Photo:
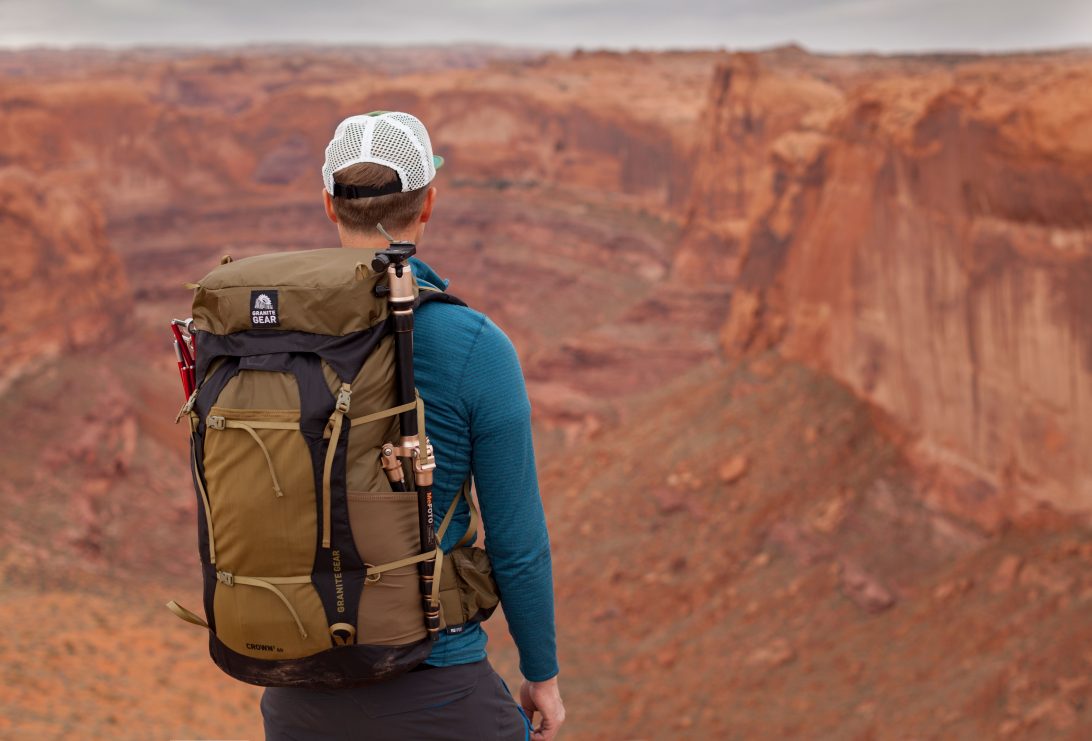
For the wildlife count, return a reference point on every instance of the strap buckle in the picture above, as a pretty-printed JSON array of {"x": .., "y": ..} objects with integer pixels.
[
  {"x": 187, "y": 407},
  {"x": 225, "y": 577},
  {"x": 216, "y": 422},
  {"x": 426, "y": 462},
  {"x": 343, "y": 398}
]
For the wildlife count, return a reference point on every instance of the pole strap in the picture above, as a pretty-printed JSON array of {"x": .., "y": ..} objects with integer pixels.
[
  {"x": 438, "y": 569},
  {"x": 408, "y": 561},
  {"x": 422, "y": 438}
]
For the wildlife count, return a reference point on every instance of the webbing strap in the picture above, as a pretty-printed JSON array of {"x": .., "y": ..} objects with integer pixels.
[
  {"x": 262, "y": 424},
  {"x": 475, "y": 517},
  {"x": 342, "y": 408},
  {"x": 265, "y": 451},
  {"x": 434, "y": 598},
  {"x": 385, "y": 413},
  {"x": 422, "y": 439},
  {"x": 408, "y": 561},
  {"x": 269, "y": 582},
  {"x": 448, "y": 517},
  {"x": 186, "y": 615},
  {"x": 204, "y": 500},
  {"x": 304, "y": 579},
  {"x": 437, "y": 554}
]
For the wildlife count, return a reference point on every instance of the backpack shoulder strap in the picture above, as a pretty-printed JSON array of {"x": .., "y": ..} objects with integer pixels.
[{"x": 428, "y": 294}]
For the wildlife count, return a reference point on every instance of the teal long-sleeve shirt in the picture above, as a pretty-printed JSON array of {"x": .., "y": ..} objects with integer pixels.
[{"x": 478, "y": 418}]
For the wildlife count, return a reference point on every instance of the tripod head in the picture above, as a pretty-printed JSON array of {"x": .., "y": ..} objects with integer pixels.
[{"x": 395, "y": 254}]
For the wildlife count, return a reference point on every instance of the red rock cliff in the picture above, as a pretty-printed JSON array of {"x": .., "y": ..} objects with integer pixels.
[
  {"x": 61, "y": 286},
  {"x": 926, "y": 237}
]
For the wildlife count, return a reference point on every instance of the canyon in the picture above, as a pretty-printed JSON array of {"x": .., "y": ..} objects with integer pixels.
[{"x": 817, "y": 322}]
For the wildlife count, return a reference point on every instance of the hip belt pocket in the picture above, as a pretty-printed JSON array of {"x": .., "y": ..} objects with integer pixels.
[{"x": 468, "y": 592}]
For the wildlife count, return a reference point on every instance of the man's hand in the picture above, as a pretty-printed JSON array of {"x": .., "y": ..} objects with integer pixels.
[{"x": 545, "y": 697}]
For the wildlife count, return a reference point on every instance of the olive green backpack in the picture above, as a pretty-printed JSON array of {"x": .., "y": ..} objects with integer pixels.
[{"x": 309, "y": 557}]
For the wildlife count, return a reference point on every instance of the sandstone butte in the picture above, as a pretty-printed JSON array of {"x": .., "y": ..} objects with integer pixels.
[
  {"x": 863, "y": 279},
  {"x": 922, "y": 232}
]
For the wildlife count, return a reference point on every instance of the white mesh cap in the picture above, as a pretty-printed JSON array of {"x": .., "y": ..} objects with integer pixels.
[{"x": 397, "y": 140}]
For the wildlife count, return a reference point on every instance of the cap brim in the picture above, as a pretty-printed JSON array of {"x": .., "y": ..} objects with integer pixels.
[{"x": 437, "y": 161}]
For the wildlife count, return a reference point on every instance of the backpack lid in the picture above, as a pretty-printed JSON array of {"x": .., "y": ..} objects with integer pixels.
[{"x": 326, "y": 291}]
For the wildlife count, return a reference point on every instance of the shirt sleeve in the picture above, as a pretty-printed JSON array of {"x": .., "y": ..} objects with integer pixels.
[{"x": 502, "y": 460}]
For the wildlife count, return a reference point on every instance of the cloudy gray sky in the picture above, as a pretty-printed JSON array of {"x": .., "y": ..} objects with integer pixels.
[{"x": 830, "y": 25}]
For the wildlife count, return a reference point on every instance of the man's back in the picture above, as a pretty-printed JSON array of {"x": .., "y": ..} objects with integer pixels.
[
  {"x": 479, "y": 420},
  {"x": 378, "y": 186}
]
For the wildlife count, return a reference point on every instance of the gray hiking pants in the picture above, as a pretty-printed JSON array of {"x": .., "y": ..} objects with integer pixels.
[{"x": 469, "y": 702}]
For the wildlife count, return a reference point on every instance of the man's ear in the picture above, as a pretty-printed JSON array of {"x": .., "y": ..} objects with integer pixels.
[
  {"x": 430, "y": 201},
  {"x": 328, "y": 202}
]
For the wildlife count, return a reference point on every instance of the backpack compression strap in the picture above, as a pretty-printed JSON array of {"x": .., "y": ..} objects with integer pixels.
[{"x": 372, "y": 571}]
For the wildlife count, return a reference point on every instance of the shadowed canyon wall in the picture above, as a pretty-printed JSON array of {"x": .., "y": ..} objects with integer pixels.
[{"x": 924, "y": 233}]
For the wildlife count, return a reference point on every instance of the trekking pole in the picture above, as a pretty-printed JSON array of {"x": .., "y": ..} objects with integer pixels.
[
  {"x": 401, "y": 285},
  {"x": 186, "y": 366}
]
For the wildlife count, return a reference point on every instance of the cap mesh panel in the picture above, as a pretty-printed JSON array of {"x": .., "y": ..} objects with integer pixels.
[{"x": 398, "y": 140}]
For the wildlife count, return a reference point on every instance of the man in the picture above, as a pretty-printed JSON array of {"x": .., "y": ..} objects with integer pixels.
[{"x": 378, "y": 170}]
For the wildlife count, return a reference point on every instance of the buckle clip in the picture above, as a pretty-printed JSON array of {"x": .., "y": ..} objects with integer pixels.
[
  {"x": 343, "y": 398},
  {"x": 427, "y": 462},
  {"x": 187, "y": 407},
  {"x": 216, "y": 422},
  {"x": 225, "y": 577}
]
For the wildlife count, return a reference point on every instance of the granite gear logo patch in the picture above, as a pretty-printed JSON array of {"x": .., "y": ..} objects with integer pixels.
[{"x": 263, "y": 309}]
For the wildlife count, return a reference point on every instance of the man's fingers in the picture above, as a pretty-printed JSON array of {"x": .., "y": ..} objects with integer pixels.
[
  {"x": 526, "y": 702},
  {"x": 543, "y": 734},
  {"x": 548, "y": 728}
]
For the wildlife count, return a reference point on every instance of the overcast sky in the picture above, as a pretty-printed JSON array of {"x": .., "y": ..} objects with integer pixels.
[{"x": 832, "y": 25}]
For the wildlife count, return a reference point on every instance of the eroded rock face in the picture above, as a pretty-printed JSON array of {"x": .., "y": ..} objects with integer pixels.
[
  {"x": 61, "y": 286},
  {"x": 172, "y": 154},
  {"x": 918, "y": 227},
  {"x": 927, "y": 239}
]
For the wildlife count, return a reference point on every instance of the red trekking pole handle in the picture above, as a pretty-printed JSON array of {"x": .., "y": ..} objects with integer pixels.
[{"x": 186, "y": 366}]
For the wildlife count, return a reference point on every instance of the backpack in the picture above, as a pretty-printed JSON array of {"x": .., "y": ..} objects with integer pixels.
[{"x": 311, "y": 559}]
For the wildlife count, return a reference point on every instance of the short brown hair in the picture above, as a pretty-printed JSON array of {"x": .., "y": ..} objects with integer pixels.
[{"x": 395, "y": 211}]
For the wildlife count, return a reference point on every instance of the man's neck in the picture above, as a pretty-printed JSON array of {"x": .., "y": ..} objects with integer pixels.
[{"x": 363, "y": 240}]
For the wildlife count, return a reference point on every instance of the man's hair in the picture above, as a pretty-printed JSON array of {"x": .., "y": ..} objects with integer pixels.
[{"x": 395, "y": 211}]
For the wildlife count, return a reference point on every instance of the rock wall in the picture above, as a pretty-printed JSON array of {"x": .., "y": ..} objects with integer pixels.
[
  {"x": 61, "y": 286},
  {"x": 191, "y": 151},
  {"x": 926, "y": 237}
]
